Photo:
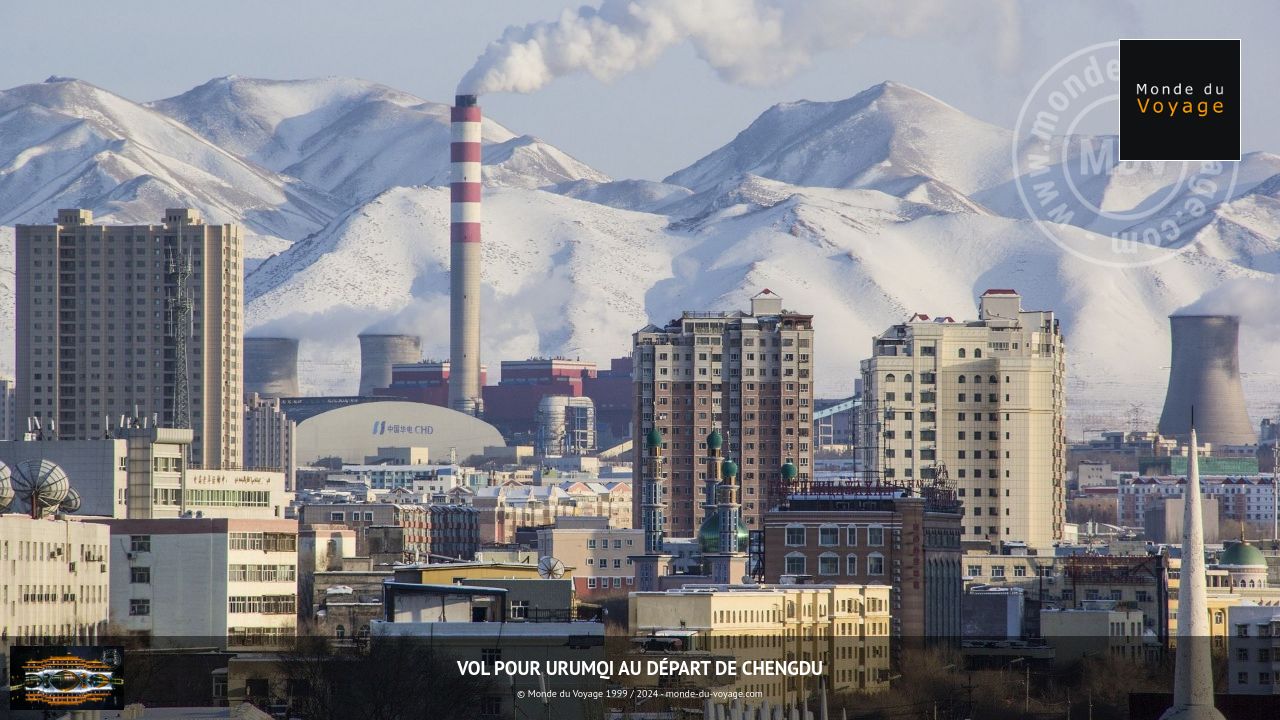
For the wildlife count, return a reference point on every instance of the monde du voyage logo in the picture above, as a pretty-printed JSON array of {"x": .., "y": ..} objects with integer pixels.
[
  {"x": 382, "y": 427},
  {"x": 1180, "y": 100}
]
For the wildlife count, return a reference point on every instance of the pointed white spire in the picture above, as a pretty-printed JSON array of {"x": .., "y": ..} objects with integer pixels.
[{"x": 1193, "y": 672}]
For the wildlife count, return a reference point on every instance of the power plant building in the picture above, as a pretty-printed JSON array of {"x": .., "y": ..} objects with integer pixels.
[
  {"x": 464, "y": 256},
  {"x": 1204, "y": 381},
  {"x": 747, "y": 374},
  {"x": 271, "y": 366},
  {"x": 354, "y": 432},
  {"x": 984, "y": 400},
  {"x": 379, "y": 353},
  {"x": 98, "y": 314}
]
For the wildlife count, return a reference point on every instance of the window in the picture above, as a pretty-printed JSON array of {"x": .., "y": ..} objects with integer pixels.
[
  {"x": 337, "y": 517},
  {"x": 853, "y": 536},
  {"x": 489, "y": 656},
  {"x": 851, "y": 565},
  {"x": 875, "y": 536},
  {"x": 975, "y": 571},
  {"x": 875, "y": 564},
  {"x": 795, "y": 536},
  {"x": 140, "y": 606},
  {"x": 829, "y": 564},
  {"x": 591, "y": 543},
  {"x": 139, "y": 574},
  {"x": 139, "y": 543},
  {"x": 794, "y": 564},
  {"x": 591, "y": 583},
  {"x": 997, "y": 571},
  {"x": 828, "y": 535},
  {"x": 519, "y": 610},
  {"x": 1019, "y": 571},
  {"x": 1242, "y": 631}
]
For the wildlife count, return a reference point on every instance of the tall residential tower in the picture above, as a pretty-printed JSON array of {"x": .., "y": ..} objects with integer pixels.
[
  {"x": 983, "y": 399},
  {"x": 748, "y": 375},
  {"x": 97, "y": 309}
]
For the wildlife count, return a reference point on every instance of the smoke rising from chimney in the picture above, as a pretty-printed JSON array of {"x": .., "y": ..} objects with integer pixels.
[
  {"x": 747, "y": 42},
  {"x": 1254, "y": 300}
]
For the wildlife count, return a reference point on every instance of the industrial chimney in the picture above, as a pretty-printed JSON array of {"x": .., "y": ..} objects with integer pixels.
[
  {"x": 1205, "y": 375},
  {"x": 379, "y": 352},
  {"x": 464, "y": 258},
  {"x": 271, "y": 366}
]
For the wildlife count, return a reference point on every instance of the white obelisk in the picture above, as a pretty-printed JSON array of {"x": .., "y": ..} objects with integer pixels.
[{"x": 1193, "y": 672}]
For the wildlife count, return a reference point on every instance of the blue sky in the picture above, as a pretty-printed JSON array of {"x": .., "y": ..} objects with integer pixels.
[{"x": 645, "y": 124}]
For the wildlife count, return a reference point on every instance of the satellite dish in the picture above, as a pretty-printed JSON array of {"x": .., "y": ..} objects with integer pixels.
[
  {"x": 550, "y": 568},
  {"x": 40, "y": 486},
  {"x": 70, "y": 503},
  {"x": 6, "y": 488}
]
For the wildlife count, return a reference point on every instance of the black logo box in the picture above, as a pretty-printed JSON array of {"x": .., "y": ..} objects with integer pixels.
[{"x": 1183, "y": 65}]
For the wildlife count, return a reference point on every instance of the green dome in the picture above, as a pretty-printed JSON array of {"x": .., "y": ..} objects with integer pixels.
[
  {"x": 789, "y": 470},
  {"x": 709, "y": 535},
  {"x": 728, "y": 469},
  {"x": 715, "y": 440},
  {"x": 655, "y": 438},
  {"x": 1242, "y": 554}
]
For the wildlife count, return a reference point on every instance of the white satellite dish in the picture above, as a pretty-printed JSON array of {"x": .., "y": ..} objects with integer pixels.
[{"x": 550, "y": 568}]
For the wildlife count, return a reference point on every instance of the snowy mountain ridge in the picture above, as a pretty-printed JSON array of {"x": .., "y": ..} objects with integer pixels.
[{"x": 861, "y": 211}]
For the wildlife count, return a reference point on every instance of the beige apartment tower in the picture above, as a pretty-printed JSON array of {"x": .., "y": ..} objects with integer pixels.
[
  {"x": 983, "y": 401},
  {"x": 100, "y": 321},
  {"x": 748, "y": 375}
]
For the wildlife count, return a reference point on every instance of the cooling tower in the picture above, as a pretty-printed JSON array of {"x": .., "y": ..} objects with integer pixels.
[
  {"x": 464, "y": 257},
  {"x": 271, "y": 366},
  {"x": 1205, "y": 375},
  {"x": 379, "y": 352}
]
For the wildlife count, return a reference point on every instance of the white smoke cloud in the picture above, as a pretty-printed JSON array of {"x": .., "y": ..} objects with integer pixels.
[
  {"x": 1255, "y": 300},
  {"x": 749, "y": 42}
]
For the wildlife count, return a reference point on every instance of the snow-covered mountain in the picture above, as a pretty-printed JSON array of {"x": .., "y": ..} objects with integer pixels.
[
  {"x": 861, "y": 211},
  {"x": 356, "y": 138},
  {"x": 66, "y": 143}
]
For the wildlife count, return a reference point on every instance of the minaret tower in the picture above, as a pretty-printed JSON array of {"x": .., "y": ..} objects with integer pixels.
[
  {"x": 655, "y": 561},
  {"x": 1193, "y": 670}
]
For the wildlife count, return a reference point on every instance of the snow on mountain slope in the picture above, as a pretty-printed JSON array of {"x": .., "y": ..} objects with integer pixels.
[
  {"x": 572, "y": 277},
  {"x": 561, "y": 276},
  {"x": 356, "y": 138},
  {"x": 66, "y": 143},
  {"x": 881, "y": 136},
  {"x": 642, "y": 195}
]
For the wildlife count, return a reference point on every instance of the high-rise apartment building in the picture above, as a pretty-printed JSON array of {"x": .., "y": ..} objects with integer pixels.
[
  {"x": 983, "y": 400},
  {"x": 268, "y": 437},
  {"x": 8, "y": 409},
  {"x": 747, "y": 374},
  {"x": 98, "y": 327}
]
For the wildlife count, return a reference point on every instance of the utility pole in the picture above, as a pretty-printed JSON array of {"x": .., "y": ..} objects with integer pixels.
[{"x": 1026, "y": 700}]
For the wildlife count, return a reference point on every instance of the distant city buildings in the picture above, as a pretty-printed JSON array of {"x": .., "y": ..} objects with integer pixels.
[
  {"x": 984, "y": 399},
  {"x": 748, "y": 375},
  {"x": 395, "y": 532},
  {"x": 268, "y": 437},
  {"x": 97, "y": 332},
  {"x": 506, "y": 508}
]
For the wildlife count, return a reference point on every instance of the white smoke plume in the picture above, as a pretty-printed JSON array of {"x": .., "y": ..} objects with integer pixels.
[
  {"x": 1255, "y": 300},
  {"x": 749, "y": 42}
]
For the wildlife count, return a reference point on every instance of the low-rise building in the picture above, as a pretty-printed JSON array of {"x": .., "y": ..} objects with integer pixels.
[
  {"x": 233, "y": 582},
  {"x": 142, "y": 473},
  {"x": 875, "y": 536},
  {"x": 1099, "y": 629},
  {"x": 1253, "y": 660},
  {"x": 846, "y": 627},
  {"x": 402, "y": 532},
  {"x": 54, "y": 580},
  {"x": 602, "y": 558}
]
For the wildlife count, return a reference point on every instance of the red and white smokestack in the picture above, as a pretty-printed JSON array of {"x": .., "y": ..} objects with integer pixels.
[{"x": 464, "y": 258}]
